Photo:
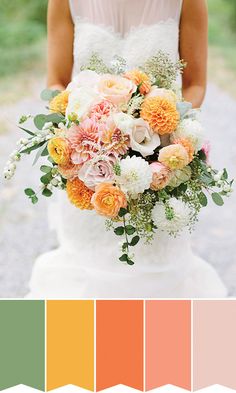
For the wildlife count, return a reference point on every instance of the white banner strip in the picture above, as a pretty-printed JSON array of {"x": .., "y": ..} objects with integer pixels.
[{"x": 121, "y": 389}]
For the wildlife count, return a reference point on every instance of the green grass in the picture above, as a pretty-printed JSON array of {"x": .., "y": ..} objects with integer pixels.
[
  {"x": 23, "y": 37},
  {"x": 222, "y": 30},
  {"x": 22, "y": 32}
]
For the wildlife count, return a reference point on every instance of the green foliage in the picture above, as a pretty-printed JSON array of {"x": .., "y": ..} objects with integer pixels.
[{"x": 22, "y": 28}]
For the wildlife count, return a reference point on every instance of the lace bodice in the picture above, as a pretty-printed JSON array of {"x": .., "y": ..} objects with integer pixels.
[{"x": 133, "y": 29}]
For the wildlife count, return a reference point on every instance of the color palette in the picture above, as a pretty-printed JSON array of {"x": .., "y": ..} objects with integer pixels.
[{"x": 95, "y": 345}]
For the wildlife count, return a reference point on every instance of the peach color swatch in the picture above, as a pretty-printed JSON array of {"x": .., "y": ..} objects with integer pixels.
[
  {"x": 119, "y": 343},
  {"x": 214, "y": 343},
  {"x": 70, "y": 343},
  {"x": 168, "y": 343}
]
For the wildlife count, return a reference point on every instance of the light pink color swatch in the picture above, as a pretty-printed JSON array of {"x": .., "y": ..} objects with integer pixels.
[
  {"x": 168, "y": 343},
  {"x": 214, "y": 343}
]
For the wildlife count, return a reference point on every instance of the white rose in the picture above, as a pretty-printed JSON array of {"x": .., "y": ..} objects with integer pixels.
[
  {"x": 142, "y": 138},
  {"x": 81, "y": 100},
  {"x": 192, "y": 130},
  {"x": 124, "y": 122},
  {"x": 86, "y": 78},
  {"x": 164, "y": 93}
]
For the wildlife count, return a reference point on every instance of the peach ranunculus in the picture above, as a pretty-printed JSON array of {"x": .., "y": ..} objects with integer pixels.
[
  {"x": 140, "y": 79},
  {"x": 161, "y": 114},
  {"x": 174, "y": 156},
  {"x": 116, "y": 89},
  {"x": 164, "y": 93},
  {"x": 187, "y": 144},
  {"x": 161, "y": 176},
  {"x": 108, "y": 200},
  {"x": 59, "y": 149},
  {"x": 69, "y": 171},
  {"x": 101, "y": 111}
]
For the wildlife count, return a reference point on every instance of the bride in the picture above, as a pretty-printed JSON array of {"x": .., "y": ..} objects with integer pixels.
[{"x": 86, "y": 263}]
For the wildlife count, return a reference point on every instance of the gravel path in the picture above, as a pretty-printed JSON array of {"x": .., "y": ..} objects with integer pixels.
[{"x": 24, "y": 232}]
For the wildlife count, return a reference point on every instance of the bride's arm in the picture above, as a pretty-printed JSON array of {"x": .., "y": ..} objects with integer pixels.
[
  {"x": 193, "y": 49},
  {"x": 60, "y": 44}
]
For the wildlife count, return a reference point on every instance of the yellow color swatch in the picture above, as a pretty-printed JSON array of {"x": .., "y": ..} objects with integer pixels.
[{"x": 70, "y": 344}]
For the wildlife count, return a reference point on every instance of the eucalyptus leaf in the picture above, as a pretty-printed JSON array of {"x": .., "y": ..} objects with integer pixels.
[
  {"x": 39, "y": 121},
  {"x": 48, "y": 95},
  {"x": 183, "y": 108},
  {"x": 217, "y": 199},
  {"x": 45, "y": 168},
  {"x": 202, "y": 199}
]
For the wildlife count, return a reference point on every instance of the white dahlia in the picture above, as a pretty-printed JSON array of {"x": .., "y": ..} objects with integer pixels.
[
  {"x": 192, "y": 130},
  {"x": 171, "y": 217},
  {"x": 135, "y": 176}
]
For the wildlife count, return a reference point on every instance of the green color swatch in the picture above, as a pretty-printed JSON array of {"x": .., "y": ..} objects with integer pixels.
[{"x": 22, "y": 343}]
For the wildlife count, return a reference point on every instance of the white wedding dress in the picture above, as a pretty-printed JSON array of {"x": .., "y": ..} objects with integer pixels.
[{"x": 86, "y": 263}]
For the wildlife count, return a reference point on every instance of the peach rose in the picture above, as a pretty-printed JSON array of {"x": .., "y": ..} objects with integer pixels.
[
  {"x": 116, "y": 89},
  {"x": 59, "y": 149},
  {"x": 108, "y": 199},
  {"x": 174, "y": 156},
  {"x": 161, "y": 176},
  {"x": 140, "y": 79}
]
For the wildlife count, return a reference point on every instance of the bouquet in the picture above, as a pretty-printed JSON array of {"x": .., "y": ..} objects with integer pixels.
[{"x": 124, "y": 143}]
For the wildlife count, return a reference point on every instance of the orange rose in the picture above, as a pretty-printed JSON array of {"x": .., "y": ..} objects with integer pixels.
[
  {"x": 59, "y": 149},
  {"x": 108, "y": 200}
]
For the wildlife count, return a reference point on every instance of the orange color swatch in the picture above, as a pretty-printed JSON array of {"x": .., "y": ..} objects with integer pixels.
[
  {"x": 119, "y": 343},
  {"x": 168, "y": 343},
  {"x": 70, "y": 344},
  {"x": 214, "y": 343}
]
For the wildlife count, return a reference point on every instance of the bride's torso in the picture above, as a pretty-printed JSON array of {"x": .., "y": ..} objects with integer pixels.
[
  {"x": 133, "y": 29},
  {"x": 136, "y": 30}
]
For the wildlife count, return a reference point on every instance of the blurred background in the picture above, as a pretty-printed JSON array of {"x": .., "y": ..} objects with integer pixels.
[{"x": 24, "y": 230}]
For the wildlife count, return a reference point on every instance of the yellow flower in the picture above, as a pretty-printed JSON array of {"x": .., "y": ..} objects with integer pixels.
[
  {"x": 78, "y": 194},
  {"x": 161, "y": 114},
  {"x": 59, "y": 103},
  {"x": 174, "y": 156},
  {"x": 59, "y": 149}
]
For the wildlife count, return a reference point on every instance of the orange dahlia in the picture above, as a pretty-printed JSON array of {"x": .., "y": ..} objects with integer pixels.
[
  {"x": 186, "y": 143},
  {"x": 140, "y": 79},
  {"x": 161, "y": 115},
  {"x": 78, "y": 194},
  {"x": 59, "y": 103}
]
